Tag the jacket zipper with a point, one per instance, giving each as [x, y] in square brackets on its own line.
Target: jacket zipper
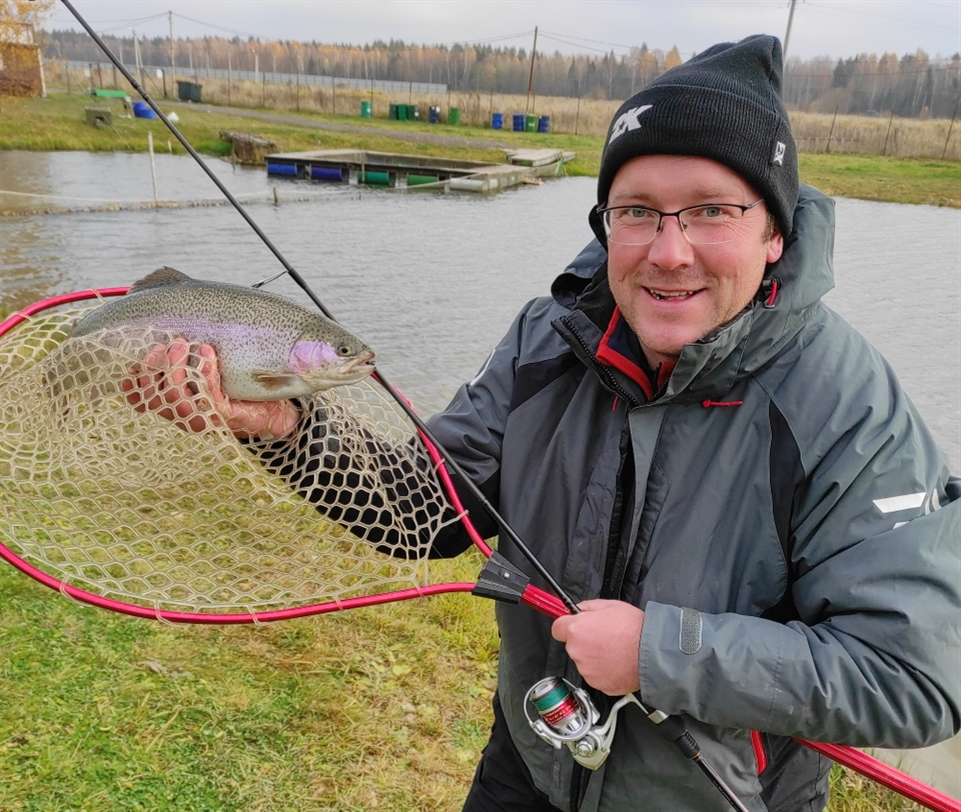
[602, 371]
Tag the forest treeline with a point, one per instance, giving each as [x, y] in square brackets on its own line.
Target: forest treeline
[909, 86]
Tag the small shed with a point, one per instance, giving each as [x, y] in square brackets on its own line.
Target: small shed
[21, 71]
[247, 148]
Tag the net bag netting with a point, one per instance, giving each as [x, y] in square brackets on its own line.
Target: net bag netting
[128, 505]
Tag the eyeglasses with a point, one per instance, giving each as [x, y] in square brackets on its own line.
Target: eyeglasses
[702, 225]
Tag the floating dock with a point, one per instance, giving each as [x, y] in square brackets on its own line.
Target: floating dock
[418, 171]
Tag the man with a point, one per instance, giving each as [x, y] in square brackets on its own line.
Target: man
[759, 530]
[704, 454]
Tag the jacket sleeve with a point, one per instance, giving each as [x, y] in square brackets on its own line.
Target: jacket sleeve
[873, 660]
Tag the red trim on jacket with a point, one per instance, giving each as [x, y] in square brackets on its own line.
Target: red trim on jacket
[759, 755]
[609, 356]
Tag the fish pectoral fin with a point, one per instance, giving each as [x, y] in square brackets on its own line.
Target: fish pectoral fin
[161, 278]
[271, 379]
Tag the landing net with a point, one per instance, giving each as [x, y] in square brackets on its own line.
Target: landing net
[128, 506]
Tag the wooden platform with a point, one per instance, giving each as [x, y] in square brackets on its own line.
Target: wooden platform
[395, 170]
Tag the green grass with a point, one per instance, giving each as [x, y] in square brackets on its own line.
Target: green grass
[377, 708]
[872, 177]
[57, 123]
[382, 708]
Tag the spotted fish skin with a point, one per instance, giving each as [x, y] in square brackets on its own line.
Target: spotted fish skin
[268, 347]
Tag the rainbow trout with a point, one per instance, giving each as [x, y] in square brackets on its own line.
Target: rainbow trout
[268, 347]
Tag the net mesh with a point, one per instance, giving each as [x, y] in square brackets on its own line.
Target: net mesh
[129, 506]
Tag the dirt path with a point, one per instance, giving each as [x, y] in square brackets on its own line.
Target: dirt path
[297, 121]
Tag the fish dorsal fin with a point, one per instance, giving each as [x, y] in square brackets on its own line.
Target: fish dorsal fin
[161, 278]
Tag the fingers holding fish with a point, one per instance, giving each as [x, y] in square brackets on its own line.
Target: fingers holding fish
[261, 420]
[256, 420]
[179, 382]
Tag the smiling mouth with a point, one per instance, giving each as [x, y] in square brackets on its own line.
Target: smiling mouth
[670, 295]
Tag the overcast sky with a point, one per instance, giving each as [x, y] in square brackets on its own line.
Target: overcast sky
[834, 28]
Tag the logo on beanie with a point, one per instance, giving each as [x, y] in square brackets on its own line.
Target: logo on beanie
[628, 121]
[779, 149]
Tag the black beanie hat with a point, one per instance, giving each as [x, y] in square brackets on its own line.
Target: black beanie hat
[723, 104]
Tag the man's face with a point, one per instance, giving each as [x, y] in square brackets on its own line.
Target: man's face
[673, 293]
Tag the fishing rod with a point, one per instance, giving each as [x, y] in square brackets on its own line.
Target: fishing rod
[498, 571]
[302, 283]
[671, 728]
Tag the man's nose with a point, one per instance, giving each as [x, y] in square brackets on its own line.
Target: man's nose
[670, 247]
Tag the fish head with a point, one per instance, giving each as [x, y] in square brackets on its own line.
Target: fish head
[323, 364]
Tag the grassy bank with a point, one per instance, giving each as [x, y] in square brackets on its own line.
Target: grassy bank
[891, 180]
[57, 123]
[383, 708]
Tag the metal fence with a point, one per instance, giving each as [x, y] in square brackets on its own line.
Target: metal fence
[199, 73]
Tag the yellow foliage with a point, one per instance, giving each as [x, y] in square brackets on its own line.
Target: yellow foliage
[18, 19]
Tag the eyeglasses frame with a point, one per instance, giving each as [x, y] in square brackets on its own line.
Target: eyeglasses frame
[603, 210]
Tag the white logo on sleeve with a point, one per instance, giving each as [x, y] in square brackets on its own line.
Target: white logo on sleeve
[909, 501]
[628, 121]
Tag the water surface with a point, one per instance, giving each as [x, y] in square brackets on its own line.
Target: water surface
[432, 281]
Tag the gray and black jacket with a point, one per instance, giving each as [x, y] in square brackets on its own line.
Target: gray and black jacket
[776, 507]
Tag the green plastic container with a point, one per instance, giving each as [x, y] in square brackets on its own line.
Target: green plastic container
[374, 178]
[420, 180]
[392, 112]
[365, 110]
[188, 91]
[531, 124]
[453, 117]
[402, 112]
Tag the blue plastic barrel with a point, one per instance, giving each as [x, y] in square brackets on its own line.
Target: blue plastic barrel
[282, 169]
[497, 121]
[544, 124]
[333, 173]
[520, 121]
[433, 115]
[143, 110]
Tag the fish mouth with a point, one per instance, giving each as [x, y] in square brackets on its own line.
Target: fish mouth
[358, 367]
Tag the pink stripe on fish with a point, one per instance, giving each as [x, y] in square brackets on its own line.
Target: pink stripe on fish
[307, 355]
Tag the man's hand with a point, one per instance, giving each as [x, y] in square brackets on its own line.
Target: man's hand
[604, 641]
[166, 383]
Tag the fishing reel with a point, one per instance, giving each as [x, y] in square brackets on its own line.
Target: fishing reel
[568, 716]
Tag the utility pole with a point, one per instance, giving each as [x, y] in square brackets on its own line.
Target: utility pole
[787, 36]
[136, 56]
[173, 64]
[530, 80]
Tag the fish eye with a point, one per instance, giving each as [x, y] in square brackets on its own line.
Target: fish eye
[343, 350]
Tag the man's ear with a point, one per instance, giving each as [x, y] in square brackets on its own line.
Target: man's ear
[775, 246]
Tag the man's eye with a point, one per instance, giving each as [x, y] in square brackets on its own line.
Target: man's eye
[637, 214]
[712, 212]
